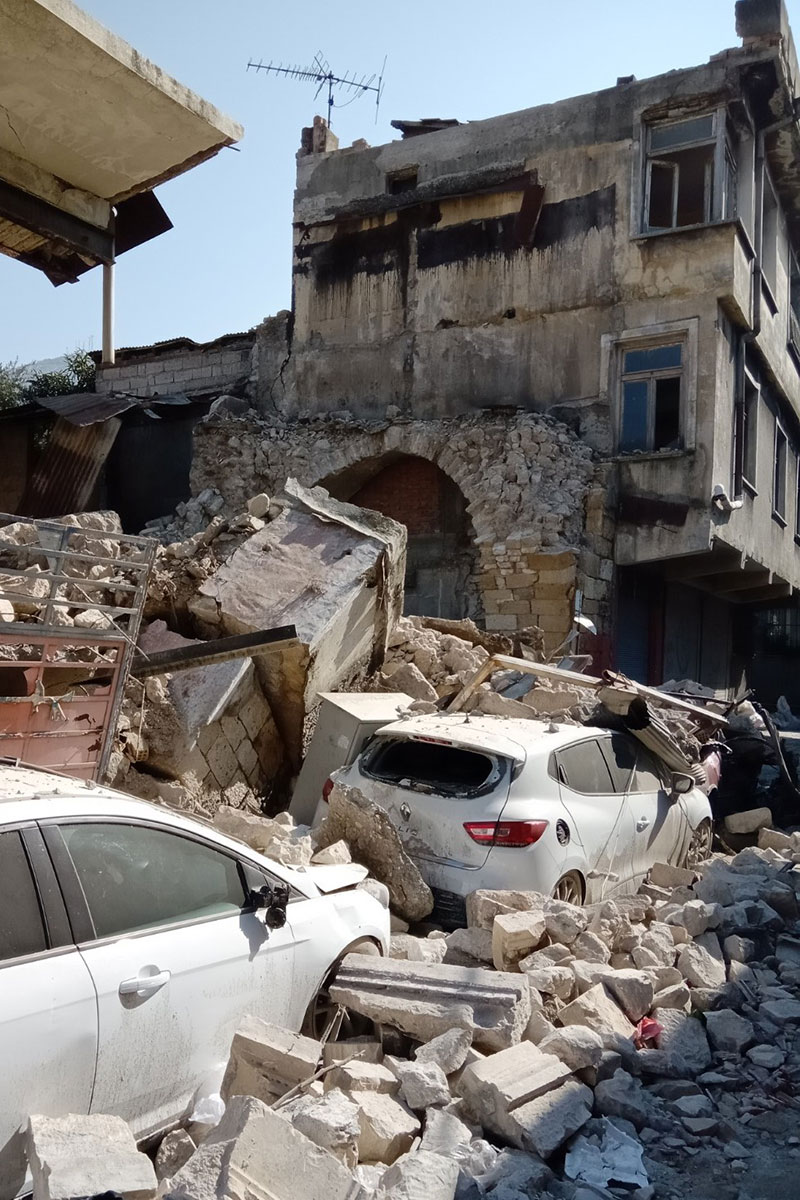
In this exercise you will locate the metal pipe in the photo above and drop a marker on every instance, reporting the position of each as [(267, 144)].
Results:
[(108, 314)]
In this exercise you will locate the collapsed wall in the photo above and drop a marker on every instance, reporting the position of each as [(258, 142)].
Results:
[(535, 498)]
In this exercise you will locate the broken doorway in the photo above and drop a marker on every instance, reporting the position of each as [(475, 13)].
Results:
[(442, 563)]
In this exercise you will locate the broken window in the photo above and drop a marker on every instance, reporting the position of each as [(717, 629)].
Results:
[(137, 877), (690, 176), (794, 306), (769, 237), (779, 479), (650, 418), (433, 767)]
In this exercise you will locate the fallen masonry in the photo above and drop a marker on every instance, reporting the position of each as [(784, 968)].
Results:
[(509, 1084)]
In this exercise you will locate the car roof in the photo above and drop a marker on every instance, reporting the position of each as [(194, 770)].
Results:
[(512, 737), (30, 794)]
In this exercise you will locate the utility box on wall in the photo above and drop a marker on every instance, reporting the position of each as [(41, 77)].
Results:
[(346, 720)]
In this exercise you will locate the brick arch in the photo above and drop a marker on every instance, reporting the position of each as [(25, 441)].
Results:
[(443, 561)]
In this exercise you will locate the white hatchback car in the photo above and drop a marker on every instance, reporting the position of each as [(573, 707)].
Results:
[(133, 940), (576, 812)]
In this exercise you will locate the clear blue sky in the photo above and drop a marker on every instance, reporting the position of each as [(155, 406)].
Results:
[(226, 264)]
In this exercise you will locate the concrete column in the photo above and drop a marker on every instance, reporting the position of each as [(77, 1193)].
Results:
[(108, 314)]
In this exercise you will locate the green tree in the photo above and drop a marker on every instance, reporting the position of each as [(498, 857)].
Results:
[(18, 384)]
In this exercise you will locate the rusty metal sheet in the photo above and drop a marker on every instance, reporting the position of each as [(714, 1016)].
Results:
[(67, 472), (87, 408)]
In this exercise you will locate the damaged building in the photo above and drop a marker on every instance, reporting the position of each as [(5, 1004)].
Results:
[(562, 347)]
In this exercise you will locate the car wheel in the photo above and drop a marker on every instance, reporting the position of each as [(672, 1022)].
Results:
[(569, 888), (322, 1010), (699, 846)]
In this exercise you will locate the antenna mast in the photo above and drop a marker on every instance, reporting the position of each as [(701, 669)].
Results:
[(320, 73)]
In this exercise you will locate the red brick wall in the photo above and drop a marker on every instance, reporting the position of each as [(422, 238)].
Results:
[(409, 491)]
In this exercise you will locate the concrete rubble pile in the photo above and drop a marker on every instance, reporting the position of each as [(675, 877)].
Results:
[(647, 1046), (432, 660), (232, 733)]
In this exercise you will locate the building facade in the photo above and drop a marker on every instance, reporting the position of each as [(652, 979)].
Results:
[(563, 345)]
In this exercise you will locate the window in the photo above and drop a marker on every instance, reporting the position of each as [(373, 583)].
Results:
[(647, 776), (651, 398), (779, 480), (797, 497), (404, 180), (583, 769), (746, 439), (135, 877), (620, 755), (433, 767), (21, 924), (769, 237), (794, 306), (690, 175)]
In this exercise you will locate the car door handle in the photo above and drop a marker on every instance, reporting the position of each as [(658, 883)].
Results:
[(642, 823), (144, 985)]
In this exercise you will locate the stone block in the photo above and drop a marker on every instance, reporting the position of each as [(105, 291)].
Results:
[(701, 962), (427, 999), (360, 1076), (683, 1042), (544, 1124), (484, 905), (330, 1122), (387, 1128), (423, 1084), (175, 1150), (449, 1050), (267, 1060), (577, 1046), (773, 839), (420, 1176), (597, 1011), (728, 1032), (504, 1081), (254, 1154), (472, 944), (564, 922), (514, 936), (75, 1156)]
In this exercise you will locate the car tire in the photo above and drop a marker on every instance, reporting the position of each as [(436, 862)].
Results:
[(570, 888), (322, 1009), (699, 846)]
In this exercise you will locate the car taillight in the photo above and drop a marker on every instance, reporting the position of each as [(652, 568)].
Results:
[(327, 788), (505, 833)]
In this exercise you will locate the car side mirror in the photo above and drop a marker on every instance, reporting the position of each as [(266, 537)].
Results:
[(681, 784), (273, 900)]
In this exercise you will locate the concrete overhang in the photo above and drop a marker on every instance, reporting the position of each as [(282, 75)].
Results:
[(87, 124)]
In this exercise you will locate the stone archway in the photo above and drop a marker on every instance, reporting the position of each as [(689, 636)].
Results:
[(442, 566)]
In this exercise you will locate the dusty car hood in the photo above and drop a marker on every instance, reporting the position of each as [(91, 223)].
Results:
[(335, 878)]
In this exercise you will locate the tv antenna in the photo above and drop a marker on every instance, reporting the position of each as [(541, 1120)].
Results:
[(320, 73)]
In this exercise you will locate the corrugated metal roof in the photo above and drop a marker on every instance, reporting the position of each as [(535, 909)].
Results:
[(87, 408), (67, 472)]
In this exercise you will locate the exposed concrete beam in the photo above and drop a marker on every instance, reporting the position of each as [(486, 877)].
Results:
[(774, 593), (47, 187), (738, 581), (700, 565)]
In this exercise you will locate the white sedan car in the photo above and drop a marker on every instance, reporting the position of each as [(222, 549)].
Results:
[(133, 940), (576, 812)]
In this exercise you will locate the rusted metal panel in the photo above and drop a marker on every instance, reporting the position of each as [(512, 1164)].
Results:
[(61, 686), (67, 472), (87, 408)]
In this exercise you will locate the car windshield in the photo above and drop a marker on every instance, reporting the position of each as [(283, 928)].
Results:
[(429, 766)]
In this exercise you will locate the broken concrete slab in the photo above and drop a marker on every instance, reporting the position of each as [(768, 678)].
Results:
[(375, 843), (514, 936), (577, 1046), (427, 999), (335, 572), (666, 876), (564, 922), (257, 1154), (484, 904), (359, 1076), (597, 1010), (387, 1128), (444, 1132), (267, 1060), (74, 1156), (468, 946)]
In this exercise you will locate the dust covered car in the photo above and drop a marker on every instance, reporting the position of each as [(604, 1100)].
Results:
[(132, 942), (576, 812)]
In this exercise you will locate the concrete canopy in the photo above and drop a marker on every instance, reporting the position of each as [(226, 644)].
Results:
[(87, 124)]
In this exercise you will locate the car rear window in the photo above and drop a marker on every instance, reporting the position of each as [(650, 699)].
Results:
[(433, 767)]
